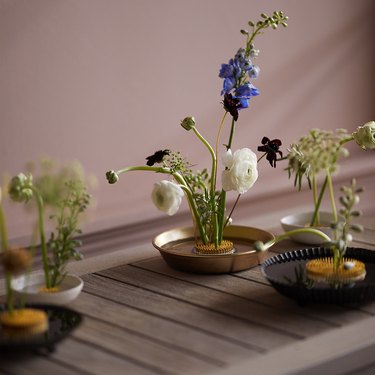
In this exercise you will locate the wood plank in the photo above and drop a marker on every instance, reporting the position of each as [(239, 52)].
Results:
[(89, 359), (31, 364), (189, 339), (335, 352), (149, 353), (225, 303), (264, 294), (248, 334)]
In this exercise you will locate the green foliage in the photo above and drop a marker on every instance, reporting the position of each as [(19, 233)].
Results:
[(63, 244), (343, 229)]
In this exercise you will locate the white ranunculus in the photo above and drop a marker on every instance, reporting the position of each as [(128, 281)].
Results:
[(240, 171), (365, 135), (167, 196)]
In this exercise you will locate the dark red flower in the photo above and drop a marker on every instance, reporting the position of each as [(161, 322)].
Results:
[(157, 157), (231, 105), (271, 148)]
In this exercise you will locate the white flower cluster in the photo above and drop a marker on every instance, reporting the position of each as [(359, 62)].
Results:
[(318, 151)]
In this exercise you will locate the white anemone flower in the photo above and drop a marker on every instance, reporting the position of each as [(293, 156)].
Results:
[(167, 196), (240, 171)]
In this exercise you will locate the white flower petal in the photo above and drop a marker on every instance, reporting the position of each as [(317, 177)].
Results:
[(167, 196)]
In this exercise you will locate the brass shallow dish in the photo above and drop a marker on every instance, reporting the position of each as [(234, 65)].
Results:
[(176, 246)]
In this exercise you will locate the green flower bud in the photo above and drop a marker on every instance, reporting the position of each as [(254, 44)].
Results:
[(260, 246), (112, 177), (365, 135), (188, 123), (20, 188), (244, 32)]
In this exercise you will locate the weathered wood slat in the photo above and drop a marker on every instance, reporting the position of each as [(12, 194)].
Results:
[(263, 294), (225, 303), (31, 364), (230, 328), (144, 351), (90, 359), (188, 339)]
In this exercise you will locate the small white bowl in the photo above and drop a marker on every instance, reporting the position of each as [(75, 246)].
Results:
[(28, 287), (302, 220)]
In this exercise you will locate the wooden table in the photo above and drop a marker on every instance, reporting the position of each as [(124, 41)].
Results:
[(142, 317)]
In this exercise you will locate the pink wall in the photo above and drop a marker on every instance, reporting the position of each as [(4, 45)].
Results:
[(106, 82)]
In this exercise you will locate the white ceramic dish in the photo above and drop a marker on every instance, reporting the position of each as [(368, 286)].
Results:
[(302, 220), (28, 288)]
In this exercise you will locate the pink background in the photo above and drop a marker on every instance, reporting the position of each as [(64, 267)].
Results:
[(106, 82)]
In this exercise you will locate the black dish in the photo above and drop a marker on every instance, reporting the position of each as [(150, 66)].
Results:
[(286, 273), (61, 322)]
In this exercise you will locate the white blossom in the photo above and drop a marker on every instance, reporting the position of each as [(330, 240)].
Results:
[(167, 196), (240, 171)]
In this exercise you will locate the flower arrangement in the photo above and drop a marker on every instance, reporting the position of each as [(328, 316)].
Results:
[(336, 269), (207, 202), (65, 194), (318, 153)]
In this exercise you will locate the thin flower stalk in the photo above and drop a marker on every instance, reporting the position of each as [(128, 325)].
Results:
[(43, 243), (5, 246)]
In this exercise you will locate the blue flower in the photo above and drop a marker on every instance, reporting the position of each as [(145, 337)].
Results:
[(228, 85), (226, 71), (246, 91), (254, 71)]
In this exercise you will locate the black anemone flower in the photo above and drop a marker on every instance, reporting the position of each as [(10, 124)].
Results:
[(271, 148), (157, 157), (231, 105)]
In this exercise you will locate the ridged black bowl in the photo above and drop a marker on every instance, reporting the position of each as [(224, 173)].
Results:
[(286, 274), (61, 322)]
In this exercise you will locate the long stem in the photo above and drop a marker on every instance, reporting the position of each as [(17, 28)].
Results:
[(229, 145), (260, 246), (231, 212), (180, 179), (144, 168), (43, 244), (217, 140), (332, 196), (5, 247), (212, 186), (315, 195), (314, 221)]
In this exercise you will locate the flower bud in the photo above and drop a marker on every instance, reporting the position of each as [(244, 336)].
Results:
[(260, 246), (16, 261), (112, 177), (20, 188), (188, 123), (365, 135)]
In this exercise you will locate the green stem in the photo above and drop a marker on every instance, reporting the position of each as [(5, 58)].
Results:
[(194, 209), (43, 244), (145, 168), (5, 247), (265, 246), (315, 195), (229, 145), (314, 221), (212, 186), (231, 212), (332, 196)]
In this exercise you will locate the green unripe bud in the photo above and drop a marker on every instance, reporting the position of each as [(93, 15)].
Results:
[(112, 177), (188, 123), (20, 188)]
